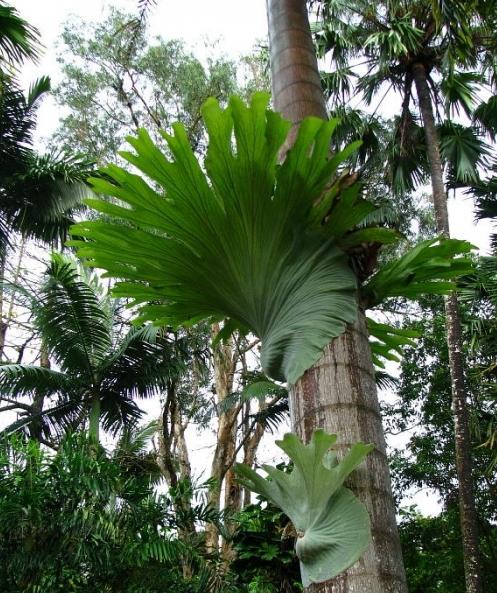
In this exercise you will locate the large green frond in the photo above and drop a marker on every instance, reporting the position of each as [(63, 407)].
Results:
[(139, 367), (57, 419), (244, 243), (331, 523), (485, 116), (463, 151), (407, 160), (460, 91), (45, 196), (21, 380)]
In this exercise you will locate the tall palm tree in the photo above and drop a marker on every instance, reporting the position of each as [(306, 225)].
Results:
[(99, 371), (338, 393), (39, 194), (444, 52)]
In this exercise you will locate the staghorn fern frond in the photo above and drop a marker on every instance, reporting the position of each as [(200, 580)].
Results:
[(428, 268), (331, 523), (245, 242), (388, 341)]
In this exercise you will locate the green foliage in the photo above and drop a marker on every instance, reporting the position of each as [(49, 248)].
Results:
[(254, 242), (374, 46), (249, 246), (432, 552), (265, 556), (388, 341), (332, 525), (39, 194), (422, 410), (75, 319), (117, 78), (428, 268), (18, 40), (82, 521)]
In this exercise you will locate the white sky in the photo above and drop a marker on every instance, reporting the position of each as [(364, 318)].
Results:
[(237, 25)]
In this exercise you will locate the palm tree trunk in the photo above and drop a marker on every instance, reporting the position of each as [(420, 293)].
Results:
[(339, 393), (469, 522), (3, 325), (94, 419)]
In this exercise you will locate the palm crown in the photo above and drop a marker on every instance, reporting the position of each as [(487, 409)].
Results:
[(373, 48), (99, 372)]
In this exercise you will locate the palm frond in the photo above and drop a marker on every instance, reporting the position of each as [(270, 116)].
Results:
[(74, 323), (406, 154), (272, 416), (463, 151), (385, 381), (485, 117), (18, 39), (63, 417), (19, 380), (460, 91), (37, 90), (140, 368)]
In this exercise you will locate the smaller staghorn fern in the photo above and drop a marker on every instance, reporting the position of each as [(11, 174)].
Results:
[(332, 524)]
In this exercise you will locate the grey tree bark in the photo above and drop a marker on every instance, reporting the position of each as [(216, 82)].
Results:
[(339, 393), (464, 465)]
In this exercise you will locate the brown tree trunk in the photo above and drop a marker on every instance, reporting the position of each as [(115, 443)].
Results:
[(36, 427), (469, 522), (339, 393), (226, 432), (249, 453)]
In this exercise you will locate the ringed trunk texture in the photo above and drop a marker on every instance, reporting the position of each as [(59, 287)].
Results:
[(464, 465), (339, 393)]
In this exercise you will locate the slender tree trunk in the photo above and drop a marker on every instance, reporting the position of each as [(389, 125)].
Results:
[(3, 325), (94, 419), (36, 427), (249, 453), (181, 446), (226, 432), (339, 393), (469, 521)]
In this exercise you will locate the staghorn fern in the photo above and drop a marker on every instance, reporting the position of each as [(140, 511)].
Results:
[(245, 242), (332, 524), (244, 239)]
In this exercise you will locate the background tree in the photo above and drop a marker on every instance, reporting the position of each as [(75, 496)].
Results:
[(445, 52), (83, 518), (39, 194), (99, 372), (426, 460)]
